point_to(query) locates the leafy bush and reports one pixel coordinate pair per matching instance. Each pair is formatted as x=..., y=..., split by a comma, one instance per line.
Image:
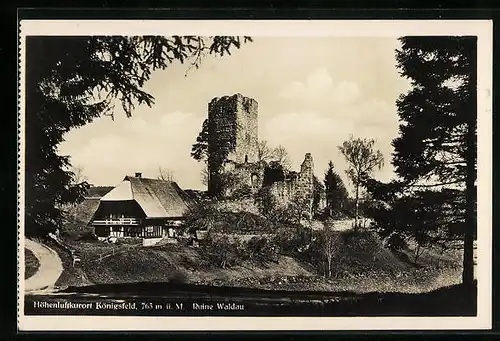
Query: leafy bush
x=77, y=231
x=206, y=216
x=88, y=236
x=292, y=240
x=201, y=217
x=219, y=250
x=396, y=242
x=184, y=240
x=263, y=249
x=31, y=263
x=224, y=252
x=291, y=212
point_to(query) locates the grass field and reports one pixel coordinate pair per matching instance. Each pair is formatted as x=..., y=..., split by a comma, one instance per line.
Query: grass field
x=31, y=264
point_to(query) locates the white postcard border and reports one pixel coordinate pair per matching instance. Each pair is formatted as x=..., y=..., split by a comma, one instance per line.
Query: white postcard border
x=276, y=28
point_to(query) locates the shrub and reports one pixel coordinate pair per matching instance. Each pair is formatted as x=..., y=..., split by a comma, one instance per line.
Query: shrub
x=243, y=191
x=325, y=249
x=219, y=250
x=262, y=249
x=224, y=252
x=396, y=242
x=200, y=217
x=207, y=216
x=128, y=241
x=291, y=212
x=88, y=236
x=184, y=240
x=292, y=240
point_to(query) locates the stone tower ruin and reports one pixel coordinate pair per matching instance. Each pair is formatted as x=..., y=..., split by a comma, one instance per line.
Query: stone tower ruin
x=233, y=142
x=233, y=135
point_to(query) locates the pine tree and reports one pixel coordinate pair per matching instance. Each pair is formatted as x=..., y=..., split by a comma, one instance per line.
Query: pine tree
x=436, y=148
x=336, y=193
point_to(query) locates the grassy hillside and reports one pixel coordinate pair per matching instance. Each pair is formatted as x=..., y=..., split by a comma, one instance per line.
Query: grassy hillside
x=362, y=265
x=169, y=263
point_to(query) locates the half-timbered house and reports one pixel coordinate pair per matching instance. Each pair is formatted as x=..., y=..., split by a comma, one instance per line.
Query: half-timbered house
x=141, y=207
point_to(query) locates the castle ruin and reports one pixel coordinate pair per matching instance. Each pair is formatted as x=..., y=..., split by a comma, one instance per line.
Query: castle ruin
x=233, y=145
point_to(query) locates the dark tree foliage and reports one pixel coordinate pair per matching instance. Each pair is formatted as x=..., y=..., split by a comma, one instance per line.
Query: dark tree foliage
x=438, y=115
x=435, y=153
x=273, y=172
x=199, y=150
x=336, y=193
x=70, y=81
x=214, y=156
x=425, y=217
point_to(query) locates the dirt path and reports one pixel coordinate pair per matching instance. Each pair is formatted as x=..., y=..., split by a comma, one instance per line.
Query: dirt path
x=50, y=267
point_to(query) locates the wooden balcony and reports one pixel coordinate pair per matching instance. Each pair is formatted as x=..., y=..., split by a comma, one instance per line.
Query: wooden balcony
x=117, y=221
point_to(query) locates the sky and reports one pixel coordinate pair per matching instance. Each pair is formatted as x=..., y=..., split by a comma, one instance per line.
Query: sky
x=312, y=93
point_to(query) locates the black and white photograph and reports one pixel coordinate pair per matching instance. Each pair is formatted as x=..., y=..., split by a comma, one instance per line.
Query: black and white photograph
x=274, y=175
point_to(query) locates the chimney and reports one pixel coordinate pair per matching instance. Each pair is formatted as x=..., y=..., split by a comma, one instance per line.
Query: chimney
x=138, y=175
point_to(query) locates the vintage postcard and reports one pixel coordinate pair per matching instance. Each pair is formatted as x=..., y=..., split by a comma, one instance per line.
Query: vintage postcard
x=254, y=175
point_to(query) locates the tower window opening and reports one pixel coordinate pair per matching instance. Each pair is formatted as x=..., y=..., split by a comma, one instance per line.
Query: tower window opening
x=254, y=179
x=246, y=158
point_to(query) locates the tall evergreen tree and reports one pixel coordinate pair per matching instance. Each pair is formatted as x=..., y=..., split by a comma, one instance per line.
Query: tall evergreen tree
x=70, y=81
x=436, y=148
x=335, y=190
x=199, y=150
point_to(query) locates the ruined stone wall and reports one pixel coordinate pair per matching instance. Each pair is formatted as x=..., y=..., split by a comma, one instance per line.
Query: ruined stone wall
x=283, y=191
x=299, y=188
x=252, y=173
x=304, y=184
x=238, y=205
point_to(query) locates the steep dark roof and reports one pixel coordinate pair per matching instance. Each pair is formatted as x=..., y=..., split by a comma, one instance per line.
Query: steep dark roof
x=195, y=194
x=157, y=198
x=98, y=191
